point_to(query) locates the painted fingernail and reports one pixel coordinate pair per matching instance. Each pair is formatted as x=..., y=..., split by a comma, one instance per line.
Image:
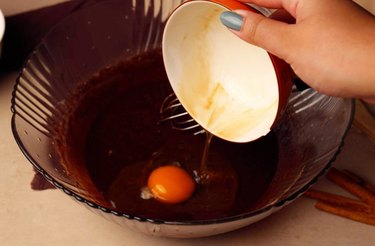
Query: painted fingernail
x=231, y=20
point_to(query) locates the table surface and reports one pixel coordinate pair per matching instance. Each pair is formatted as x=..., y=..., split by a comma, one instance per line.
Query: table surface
x=50, y=217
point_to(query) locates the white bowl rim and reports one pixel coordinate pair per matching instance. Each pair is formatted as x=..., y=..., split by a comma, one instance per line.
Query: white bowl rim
x=2, y=25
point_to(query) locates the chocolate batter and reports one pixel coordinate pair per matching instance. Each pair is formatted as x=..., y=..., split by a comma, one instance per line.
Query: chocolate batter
x=113, y=138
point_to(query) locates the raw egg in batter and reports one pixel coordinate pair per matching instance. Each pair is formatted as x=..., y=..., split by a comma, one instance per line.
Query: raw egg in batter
x=171, y=184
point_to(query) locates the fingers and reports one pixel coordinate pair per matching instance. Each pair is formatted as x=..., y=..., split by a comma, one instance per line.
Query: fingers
x=269, y=34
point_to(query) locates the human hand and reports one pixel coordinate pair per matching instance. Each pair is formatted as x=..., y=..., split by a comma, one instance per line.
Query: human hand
x=330, y=46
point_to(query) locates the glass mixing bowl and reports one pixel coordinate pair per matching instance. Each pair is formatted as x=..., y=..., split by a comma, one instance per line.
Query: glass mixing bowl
x=309, y=134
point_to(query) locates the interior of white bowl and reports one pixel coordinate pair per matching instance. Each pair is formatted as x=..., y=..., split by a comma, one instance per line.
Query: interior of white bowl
x=309, y=134
x=208, y=65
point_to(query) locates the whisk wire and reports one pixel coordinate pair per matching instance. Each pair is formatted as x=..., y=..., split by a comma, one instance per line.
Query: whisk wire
x=172, y=111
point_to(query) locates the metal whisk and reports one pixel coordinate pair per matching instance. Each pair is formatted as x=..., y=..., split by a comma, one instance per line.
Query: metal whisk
x=172, y=111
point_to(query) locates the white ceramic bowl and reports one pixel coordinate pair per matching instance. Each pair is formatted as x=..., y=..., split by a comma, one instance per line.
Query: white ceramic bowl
x=233, y=89
x=2, y=29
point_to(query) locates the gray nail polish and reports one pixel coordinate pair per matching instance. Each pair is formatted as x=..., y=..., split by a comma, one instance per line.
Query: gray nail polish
x=231, y=20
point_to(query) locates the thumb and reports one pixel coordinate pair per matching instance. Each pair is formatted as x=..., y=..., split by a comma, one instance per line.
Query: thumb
x=254, y=28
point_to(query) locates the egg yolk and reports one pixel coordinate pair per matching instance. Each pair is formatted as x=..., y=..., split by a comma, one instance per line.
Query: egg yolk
x=171, y=184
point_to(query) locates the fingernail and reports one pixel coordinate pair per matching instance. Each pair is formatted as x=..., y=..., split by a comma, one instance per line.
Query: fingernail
x=231, y=20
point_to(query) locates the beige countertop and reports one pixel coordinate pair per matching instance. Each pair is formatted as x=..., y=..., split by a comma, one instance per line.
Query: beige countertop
x=50, y=217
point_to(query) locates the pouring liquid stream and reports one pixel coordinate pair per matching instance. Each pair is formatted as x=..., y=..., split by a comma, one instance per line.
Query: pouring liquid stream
x=203, y=174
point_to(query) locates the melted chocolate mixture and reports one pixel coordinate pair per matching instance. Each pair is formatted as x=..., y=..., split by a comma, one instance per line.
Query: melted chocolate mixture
x=114, y=130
